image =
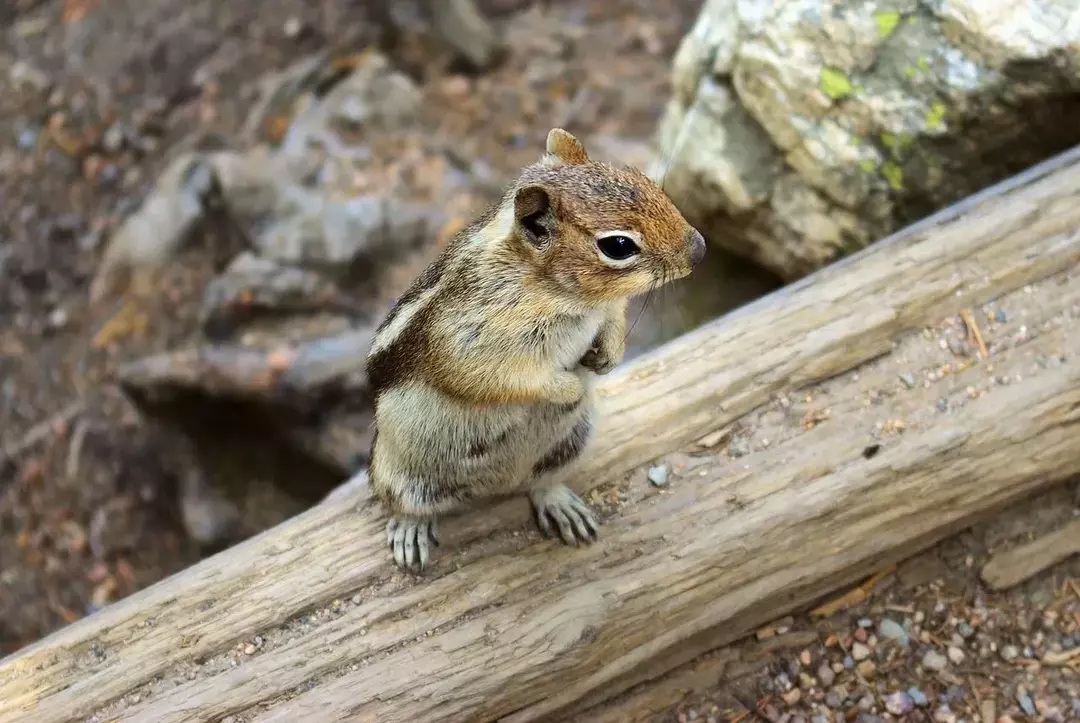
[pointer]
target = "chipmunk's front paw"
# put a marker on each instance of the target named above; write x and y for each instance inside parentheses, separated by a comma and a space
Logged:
(411, 538)
(570, 514)
(599, 360)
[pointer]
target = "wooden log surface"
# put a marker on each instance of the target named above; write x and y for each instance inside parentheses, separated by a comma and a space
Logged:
(311, 621)
(1014, 566)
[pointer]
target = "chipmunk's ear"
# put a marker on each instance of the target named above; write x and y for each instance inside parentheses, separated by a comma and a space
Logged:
(562, 147)
(534, 211)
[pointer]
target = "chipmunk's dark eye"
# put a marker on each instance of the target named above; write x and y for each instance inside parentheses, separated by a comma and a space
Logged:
(618, 248)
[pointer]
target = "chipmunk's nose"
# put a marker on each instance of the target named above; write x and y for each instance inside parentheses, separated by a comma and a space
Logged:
(697, 247)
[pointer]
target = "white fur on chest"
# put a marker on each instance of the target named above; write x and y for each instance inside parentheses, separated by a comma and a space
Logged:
(569, 341)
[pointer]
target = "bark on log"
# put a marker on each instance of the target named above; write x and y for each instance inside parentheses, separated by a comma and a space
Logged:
(513, 627)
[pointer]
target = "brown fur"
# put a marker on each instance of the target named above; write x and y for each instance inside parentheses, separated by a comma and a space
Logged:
(482, 372)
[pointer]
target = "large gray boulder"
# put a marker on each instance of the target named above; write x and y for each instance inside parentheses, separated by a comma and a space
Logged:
(800, 131)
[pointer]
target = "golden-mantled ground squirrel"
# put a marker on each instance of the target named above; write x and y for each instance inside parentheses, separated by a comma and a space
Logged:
(482, 372)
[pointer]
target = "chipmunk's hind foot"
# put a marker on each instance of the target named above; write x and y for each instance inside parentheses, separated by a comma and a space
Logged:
(411, 538)
(559, 505)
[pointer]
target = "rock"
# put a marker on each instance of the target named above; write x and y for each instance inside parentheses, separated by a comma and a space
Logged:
(833, 699)
(658, 475)
(860, 652)
(956, 655)
(797, 135)
(892, 630)
(825, 675)
(792, 697)
(933, 660)
(866, 668)
(918, 697)
(944, 714)
(908, 379)
(1009, 653)
(739, 447)
(1026, 704)
(899, 703)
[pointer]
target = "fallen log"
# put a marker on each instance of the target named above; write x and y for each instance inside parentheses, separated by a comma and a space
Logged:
(311, 621)
(1014, 566)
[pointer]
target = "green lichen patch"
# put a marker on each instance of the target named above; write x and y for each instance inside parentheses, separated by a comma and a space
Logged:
(894, 175)
(935, 117)
(835, 83)
(886, 23)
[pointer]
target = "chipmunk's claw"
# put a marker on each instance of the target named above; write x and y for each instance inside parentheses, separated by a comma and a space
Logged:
(572, 517)
(411, 539)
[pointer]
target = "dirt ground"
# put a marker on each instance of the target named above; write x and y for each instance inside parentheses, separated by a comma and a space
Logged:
(97, 93)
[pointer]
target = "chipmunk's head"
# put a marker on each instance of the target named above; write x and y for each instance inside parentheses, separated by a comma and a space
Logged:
(598, 231)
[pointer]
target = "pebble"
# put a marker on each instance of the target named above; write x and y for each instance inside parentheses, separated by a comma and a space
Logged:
(861, 635)
(965, 629)
(1026, 704)
(918, 697)
(113, 138)
(849, 663)
(739, 447)
(944, 714)
(833, 699)
(58, 318)
(908, 379)
(826, 675)
(899, 703)
(933, 660)
(1001, 317)
(27, 138)
(1010, 653)
(658, 475)
(867, 669)
(943, 405)
(860, 651)
(792, 697)
(866, 623)
(249, 649)
(892, 630)
(956, 655)
(805, 658)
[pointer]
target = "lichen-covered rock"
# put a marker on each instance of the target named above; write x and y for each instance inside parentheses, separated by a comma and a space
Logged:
(800, 131)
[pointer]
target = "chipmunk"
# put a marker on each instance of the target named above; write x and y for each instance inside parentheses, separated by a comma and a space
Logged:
(481, 374)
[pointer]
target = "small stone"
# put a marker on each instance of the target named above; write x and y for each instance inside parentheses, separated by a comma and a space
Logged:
(943, 405)
(899, 703)
(113, 138)
(819, 719)
(58, 318)
(867, 669)
(933, 660)
(892, 630)
(838, 668)
(861, 635)
(956, 655)
(1001, 317)
(965, 629)
(292, 27)
(866, 623)
(806, 681)
(1010, 653)
(944, 714)
(792, 697)
(908, 379)
(805, 658)
(229, 719)
(833, 699)
(918, 697)
(356, 599)
(27, 138)
(658, 475)
(739, 447)
(860, 652)
(1026, 704)
(866, 702)
(250, 649)
(849, 662)
(826, 675)
(959, 347)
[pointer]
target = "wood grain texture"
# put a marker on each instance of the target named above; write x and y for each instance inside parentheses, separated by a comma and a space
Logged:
(509, 626)
(1020, 563)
